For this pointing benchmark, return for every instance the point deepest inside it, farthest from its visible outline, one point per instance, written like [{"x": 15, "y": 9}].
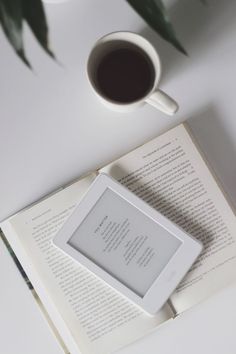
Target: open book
[{"x": 170, "y": 174}]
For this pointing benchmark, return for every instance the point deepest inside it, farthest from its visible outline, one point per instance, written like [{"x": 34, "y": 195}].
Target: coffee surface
[{"x": 125, "y": 75}]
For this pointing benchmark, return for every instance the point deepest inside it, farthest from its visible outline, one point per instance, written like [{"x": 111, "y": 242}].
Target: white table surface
[{"x": 53, "y": 129}]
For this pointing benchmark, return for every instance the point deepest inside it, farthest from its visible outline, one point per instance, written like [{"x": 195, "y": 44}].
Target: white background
[{"x": 53, "y": 129}]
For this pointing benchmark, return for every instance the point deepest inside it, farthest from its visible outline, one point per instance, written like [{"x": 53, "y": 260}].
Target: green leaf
[
  {"x": 155, "y": 14},
  {"x": 33, "y": 13},
  {"x": 11, "y": 19}
]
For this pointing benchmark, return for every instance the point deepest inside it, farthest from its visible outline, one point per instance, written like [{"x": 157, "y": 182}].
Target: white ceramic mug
[{"x": 155, "y": 96}]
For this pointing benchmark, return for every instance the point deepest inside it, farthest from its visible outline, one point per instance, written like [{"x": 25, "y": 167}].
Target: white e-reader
[{"x": 128, "y": 244}]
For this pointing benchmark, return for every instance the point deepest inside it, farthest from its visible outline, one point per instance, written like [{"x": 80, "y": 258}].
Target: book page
[
  {"x": 171, "y": 176},
  {"x": 99, "y": 319}
]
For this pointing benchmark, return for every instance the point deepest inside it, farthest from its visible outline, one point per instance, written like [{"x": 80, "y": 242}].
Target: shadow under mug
[{"x": 154, "y": 96}]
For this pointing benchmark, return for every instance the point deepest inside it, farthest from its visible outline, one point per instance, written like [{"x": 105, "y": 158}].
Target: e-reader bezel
[{"x": 174, "y": 270}]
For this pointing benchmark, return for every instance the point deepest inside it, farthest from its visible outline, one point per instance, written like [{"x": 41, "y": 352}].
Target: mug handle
[{"x": 163, "y": 102}]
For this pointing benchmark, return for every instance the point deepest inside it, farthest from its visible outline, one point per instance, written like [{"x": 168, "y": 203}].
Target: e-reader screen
[{"x": 124, "y": 242}]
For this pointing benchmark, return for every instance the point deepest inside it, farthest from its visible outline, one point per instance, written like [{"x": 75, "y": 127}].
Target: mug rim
[{"x": 156, "y": 64}]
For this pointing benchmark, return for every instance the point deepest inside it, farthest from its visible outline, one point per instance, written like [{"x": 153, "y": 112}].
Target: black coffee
[{"x": 125, "y": 74}]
